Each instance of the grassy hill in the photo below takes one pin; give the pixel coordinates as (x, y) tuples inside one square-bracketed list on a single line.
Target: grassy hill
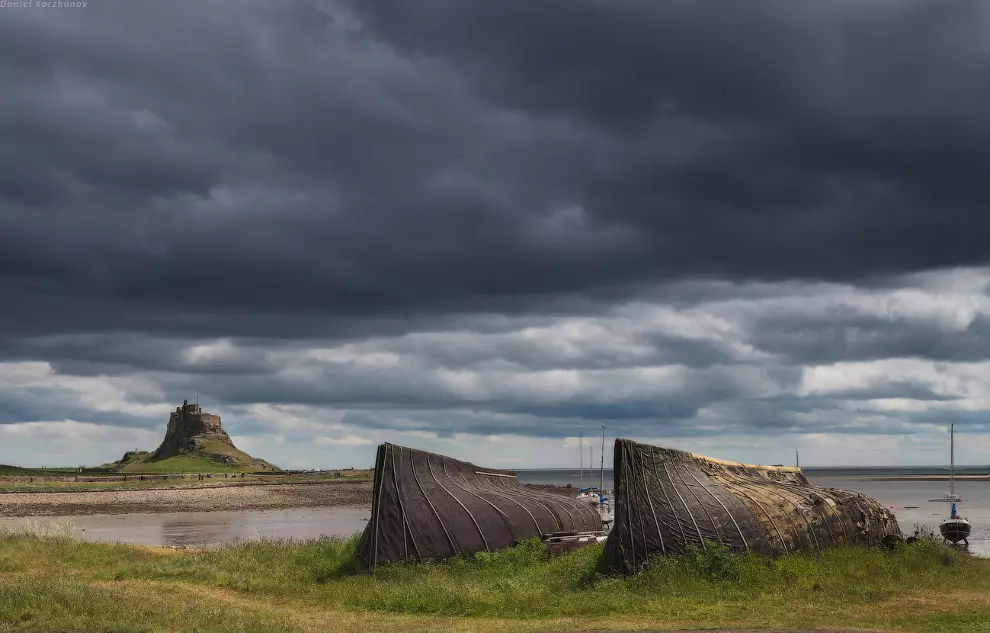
[(211, 456)]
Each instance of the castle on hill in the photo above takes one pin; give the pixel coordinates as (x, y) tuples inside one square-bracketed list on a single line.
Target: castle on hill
[(191, 432), (190, 429), (191, 419)]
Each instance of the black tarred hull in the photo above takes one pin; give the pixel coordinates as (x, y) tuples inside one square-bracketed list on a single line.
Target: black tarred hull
[(955, 531), (429, 506)]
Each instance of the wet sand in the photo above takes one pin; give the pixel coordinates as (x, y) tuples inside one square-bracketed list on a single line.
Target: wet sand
[(198, 499), (228, 498), (198, 517)]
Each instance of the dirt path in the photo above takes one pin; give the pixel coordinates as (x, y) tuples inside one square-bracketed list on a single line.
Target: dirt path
[(19, 504)]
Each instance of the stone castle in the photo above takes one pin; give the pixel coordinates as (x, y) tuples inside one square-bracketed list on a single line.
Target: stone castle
[(190, 418), (189, 429)]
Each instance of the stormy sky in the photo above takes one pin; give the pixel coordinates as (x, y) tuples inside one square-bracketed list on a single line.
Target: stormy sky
[(482, 227)]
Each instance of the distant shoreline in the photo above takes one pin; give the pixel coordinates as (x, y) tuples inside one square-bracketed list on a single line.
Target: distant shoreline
[(926, 477)]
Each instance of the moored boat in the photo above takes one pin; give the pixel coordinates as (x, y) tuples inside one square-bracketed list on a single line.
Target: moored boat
[(597, 499), (955, 528)]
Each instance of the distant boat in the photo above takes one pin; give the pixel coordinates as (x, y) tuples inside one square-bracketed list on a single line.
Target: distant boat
[(596, 496), (948, 498), (599, 501), (955, 528)]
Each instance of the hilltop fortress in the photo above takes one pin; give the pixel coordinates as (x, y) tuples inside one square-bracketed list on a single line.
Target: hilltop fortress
[(194, 442), (189, 419), (190, 430)]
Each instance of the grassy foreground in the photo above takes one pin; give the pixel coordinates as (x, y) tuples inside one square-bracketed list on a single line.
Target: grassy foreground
[(61, 584)]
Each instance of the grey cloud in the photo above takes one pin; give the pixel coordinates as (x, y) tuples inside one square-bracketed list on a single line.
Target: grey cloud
[(429, 158), (37, 405), (321, 174), (829, 338)]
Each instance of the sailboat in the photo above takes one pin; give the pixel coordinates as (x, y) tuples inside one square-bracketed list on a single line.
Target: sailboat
[(955, 528), (595, 495), (950, 496)]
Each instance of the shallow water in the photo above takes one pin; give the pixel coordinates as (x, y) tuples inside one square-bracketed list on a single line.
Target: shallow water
[(203, 529), (912, 508)]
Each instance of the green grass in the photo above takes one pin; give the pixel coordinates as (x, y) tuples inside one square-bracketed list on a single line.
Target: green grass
[(59, 471), (203, 461), (133, 483), (191, 463), (273, 585)]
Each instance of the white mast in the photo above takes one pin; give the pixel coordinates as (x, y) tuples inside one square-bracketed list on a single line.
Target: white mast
[(581, 457), (591, 461), (952, 461), (603, 458)]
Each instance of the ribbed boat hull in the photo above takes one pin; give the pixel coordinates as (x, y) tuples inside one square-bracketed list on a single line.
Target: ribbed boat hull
[(666, 500), (430, 506)]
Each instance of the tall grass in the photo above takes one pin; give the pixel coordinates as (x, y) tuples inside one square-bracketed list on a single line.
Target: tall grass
[(527, 582), (42, 528), (849, 586)]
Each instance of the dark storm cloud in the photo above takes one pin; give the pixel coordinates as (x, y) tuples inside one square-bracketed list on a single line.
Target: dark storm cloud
[(772, 139), (283, 161), (289, 176)]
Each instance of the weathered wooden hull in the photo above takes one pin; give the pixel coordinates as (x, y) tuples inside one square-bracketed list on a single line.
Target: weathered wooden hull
[(666, 500), (429, 506)]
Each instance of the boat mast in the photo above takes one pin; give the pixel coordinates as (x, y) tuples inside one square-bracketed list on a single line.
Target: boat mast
[(603, 458), (797, 458), (952, 461), (591, 461), (581, 457)]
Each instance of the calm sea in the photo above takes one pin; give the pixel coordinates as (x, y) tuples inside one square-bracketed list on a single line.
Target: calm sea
[(908, 498)]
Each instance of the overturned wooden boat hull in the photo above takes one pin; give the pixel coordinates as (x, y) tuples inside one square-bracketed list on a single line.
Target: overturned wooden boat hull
[(429, 506), (667, 500)]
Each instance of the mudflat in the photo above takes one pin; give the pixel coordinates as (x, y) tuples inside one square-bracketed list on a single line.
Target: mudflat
[(232, 496), (199, 499)]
